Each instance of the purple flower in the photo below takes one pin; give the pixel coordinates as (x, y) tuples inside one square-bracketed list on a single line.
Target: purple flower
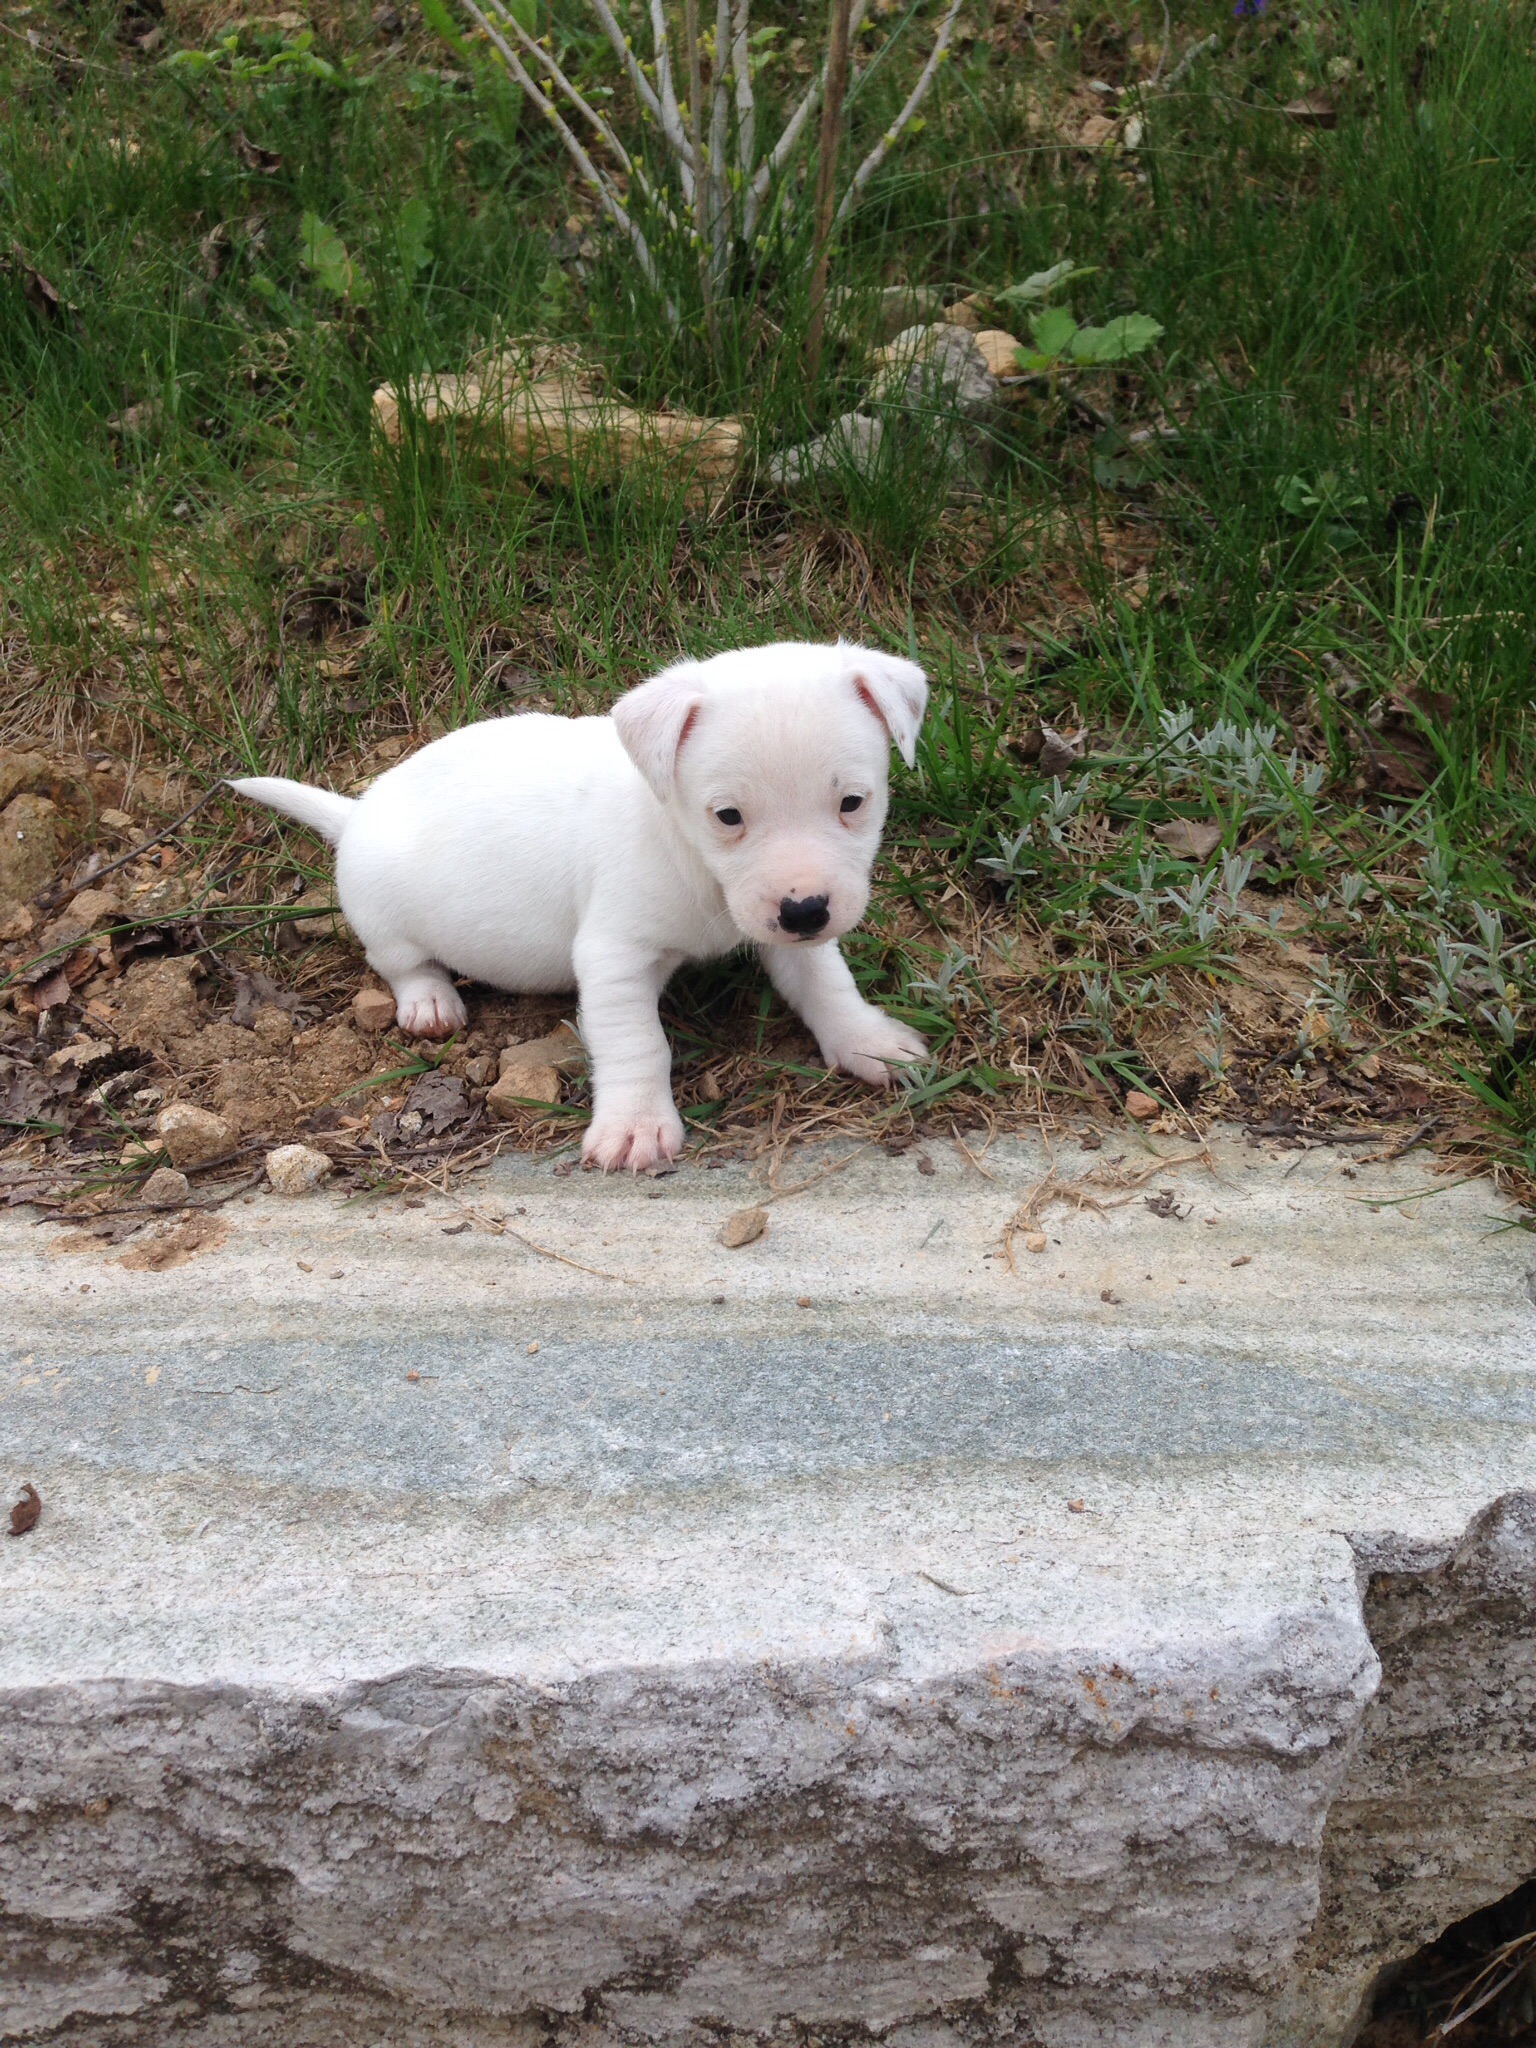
[(1252, 8)]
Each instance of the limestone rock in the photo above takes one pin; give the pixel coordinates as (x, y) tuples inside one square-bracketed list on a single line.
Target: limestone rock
[(563, 428), (561, 1049), (999, 350), (851, 445), (193, 1136), (373, 1009), (31, 845), (936, 370), (165, 1188), (295, 1169), (519, 1086)]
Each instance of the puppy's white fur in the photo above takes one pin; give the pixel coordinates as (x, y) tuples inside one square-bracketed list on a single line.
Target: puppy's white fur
[(534, 853)]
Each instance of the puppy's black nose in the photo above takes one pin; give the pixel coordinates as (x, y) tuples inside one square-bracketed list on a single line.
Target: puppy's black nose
[(805, 918)]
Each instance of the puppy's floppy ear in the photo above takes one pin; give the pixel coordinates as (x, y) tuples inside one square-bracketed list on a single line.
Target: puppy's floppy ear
[(895, 690), (653, 722)]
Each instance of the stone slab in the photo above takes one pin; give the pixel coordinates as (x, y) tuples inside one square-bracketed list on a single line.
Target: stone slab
[(844, 1633)]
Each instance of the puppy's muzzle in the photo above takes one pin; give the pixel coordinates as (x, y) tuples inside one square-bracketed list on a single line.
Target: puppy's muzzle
[(805, 917)]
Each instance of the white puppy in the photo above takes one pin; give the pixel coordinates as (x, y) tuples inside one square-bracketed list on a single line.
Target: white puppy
[(734, 799)]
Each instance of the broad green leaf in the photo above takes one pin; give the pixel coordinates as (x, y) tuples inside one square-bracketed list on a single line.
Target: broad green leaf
[(1297, 496), (1117, 341), (1035, 290), (1053, 330), (411, 233), (324, 253)]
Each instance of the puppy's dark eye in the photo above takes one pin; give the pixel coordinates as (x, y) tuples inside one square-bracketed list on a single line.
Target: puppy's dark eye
[(850, 803), (729, 816)]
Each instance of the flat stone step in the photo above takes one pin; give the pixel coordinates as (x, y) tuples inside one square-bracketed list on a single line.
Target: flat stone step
[(859, 1630)]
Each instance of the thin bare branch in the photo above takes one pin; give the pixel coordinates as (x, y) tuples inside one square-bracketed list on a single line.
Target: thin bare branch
[(608, 198), (719, 194), (746, 103), (547, 64), (645, 92), (838, 57), (793, 129), (915, 98), (671, 112)]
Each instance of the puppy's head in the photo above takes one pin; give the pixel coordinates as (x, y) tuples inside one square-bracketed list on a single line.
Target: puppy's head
[(773, 763)]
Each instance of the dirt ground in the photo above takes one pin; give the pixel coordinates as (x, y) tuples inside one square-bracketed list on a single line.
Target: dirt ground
[(161, 948)]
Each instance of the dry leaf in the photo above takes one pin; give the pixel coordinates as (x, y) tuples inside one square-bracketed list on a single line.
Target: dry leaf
[(254, 157), (1312, 112), (26, 1511), (746, 1226), (1188, 838)]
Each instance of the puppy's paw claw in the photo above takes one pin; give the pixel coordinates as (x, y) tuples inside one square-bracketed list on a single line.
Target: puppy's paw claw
[(437, 1014), (638, 1141), (874, 1048)]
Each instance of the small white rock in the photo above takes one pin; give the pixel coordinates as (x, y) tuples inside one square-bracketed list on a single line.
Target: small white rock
[(295, 1169)]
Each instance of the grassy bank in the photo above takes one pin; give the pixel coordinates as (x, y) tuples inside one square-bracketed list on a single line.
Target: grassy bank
[(1272, 572)]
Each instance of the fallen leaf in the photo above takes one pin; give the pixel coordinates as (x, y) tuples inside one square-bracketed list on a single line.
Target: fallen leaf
[(1164, 1204), (925, 1165), (1060, 750), (746, 1226), (1245, 1260), (26, 1511), (440, 1100), (1312, 111), (254, 157), (1077, 1507), (46, 994), (455, 1229), (1189, 838)]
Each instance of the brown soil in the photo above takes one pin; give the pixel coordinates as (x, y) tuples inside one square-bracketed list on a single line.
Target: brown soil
[(173, 959)]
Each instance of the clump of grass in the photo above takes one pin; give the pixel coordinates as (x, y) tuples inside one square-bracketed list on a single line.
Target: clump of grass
[(1285, 591)]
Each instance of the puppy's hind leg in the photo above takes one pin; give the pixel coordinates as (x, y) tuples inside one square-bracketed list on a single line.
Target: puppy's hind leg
[(427, 1005)]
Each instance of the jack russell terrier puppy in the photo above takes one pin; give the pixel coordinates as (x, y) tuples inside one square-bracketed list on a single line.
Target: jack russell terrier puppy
[(729, 800)]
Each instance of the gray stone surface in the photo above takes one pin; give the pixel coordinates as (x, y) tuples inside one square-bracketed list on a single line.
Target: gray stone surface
[(737, 1661)]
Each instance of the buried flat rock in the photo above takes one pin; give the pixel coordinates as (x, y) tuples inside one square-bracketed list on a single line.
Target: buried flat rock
[(520, 1616)]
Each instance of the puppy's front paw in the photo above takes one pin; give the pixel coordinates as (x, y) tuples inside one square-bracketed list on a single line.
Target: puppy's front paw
[(871, 1044), (430, 1009), (635, 1138)]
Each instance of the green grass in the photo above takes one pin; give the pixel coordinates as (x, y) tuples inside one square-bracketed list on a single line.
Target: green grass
[(1337, 535)]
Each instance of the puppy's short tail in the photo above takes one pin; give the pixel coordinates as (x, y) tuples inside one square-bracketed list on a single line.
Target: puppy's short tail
[(318, 808)]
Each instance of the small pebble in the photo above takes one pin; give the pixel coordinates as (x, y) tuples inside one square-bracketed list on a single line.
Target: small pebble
[(373, 1009), (745, 1226), (165, 1188), (1142, 1107), (193, 1136), (295, 1169)]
